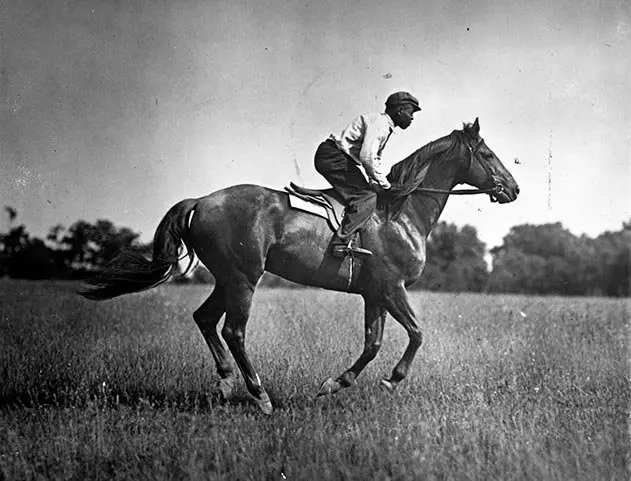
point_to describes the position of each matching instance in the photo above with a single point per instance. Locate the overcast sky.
(117, 109)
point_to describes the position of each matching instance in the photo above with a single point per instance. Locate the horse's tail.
(132, 272)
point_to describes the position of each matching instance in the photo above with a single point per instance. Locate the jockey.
(351, 162)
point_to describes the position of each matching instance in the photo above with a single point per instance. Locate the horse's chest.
(406, 250)
(413, 265)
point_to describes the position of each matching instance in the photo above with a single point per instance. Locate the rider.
(351, 162)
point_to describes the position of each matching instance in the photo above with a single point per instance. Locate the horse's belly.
(303, 256)
(312, 266)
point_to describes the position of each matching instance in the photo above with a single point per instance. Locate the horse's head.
(484, 170)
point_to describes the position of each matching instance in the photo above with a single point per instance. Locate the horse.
(242, 231)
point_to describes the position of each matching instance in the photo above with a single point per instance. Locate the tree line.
(66, 253)
(533, 259)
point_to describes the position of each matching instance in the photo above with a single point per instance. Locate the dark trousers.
(342, 173)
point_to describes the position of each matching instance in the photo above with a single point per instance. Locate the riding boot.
(343, 247)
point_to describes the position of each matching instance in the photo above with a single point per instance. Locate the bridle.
(493, 191)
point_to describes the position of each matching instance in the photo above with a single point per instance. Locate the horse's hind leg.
(238, 303)
(207, 316)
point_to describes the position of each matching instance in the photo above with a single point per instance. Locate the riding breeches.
(341, 171)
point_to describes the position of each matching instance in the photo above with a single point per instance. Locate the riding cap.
(402, 98)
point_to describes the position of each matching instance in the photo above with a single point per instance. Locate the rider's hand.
(378, 188)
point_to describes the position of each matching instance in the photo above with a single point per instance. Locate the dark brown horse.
(242, 231)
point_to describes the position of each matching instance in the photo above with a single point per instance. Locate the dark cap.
(402, 98)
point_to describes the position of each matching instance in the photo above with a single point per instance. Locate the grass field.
(504, 387)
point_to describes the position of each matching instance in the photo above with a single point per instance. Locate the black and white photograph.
(315, 240)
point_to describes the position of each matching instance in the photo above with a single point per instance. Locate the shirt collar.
(390, 122)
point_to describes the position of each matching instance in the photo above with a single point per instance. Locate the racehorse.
(241, 231)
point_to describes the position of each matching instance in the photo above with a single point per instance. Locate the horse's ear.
(476, 126)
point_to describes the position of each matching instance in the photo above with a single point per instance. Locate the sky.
(119, 109)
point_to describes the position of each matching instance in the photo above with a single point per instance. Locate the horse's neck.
(427, 207)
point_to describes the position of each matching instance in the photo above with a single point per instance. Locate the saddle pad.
(320, 210)
(297, 203)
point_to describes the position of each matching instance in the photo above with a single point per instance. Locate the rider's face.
(404, 116)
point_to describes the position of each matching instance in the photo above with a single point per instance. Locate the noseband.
(493, 191)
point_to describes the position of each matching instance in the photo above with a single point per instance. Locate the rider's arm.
(374, 138)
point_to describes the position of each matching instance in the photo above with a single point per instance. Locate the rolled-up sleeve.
(369, 156)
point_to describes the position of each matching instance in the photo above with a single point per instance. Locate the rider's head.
(400, 106)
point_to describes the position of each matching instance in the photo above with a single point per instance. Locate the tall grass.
(504, 387)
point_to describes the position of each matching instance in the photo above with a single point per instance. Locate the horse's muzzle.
(503, 195)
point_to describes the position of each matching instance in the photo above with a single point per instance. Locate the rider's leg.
(360, 199)
(355, 217)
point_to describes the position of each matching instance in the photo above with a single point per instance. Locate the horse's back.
(241, 203)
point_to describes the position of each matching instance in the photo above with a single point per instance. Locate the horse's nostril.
(517, 190)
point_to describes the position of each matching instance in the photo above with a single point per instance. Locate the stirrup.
(343, 250)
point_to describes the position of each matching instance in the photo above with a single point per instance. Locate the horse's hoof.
(264, 403)
(226, 386)
(388, 385)
(328, 387)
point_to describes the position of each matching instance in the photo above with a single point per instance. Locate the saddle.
(329, 204)
(326, 203)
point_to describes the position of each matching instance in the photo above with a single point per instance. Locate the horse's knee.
(233, 336)
(373, 349)
(416, 336)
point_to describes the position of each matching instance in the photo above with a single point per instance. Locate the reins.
(429, 190)
(496, 189)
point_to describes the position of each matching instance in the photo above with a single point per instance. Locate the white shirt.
(364, 139)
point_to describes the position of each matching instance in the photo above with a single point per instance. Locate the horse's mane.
(408, 174)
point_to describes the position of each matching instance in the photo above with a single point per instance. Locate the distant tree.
(516, 271)
(613, 261)
(534, 259)
(83, 247)
(90, 247)
(548, 259)
(454, 260)
(11, 242)
(12, 214)
(55, 236)
(15, 240)
(10, 245)
(76, 244)
(33, 261)
(617, 283)
(107, 241)
(54, 239)
(24, 257)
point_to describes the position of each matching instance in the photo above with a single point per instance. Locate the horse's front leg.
(374, 320)
(398, 305)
